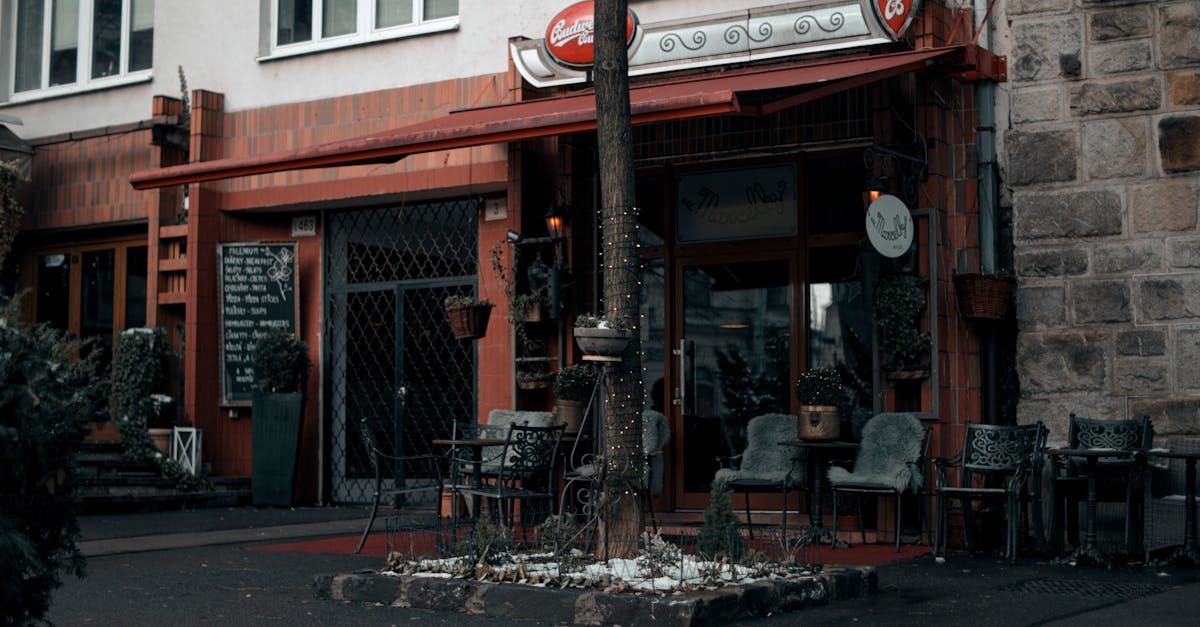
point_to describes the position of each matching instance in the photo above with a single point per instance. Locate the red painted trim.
(698, 97)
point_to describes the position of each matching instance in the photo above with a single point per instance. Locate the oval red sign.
(570, 36)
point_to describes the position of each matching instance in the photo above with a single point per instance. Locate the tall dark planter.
(276, 433)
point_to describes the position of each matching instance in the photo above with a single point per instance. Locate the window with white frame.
(61, 45)
(306, 25)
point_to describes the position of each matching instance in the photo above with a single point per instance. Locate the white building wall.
(218, 44)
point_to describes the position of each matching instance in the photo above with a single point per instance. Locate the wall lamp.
(905, 162)
(556, 224)
(874, 188)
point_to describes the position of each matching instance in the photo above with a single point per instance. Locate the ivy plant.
(899, 300)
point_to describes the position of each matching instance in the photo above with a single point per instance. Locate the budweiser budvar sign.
(571, 35)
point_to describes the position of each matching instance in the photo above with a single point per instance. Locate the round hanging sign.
(889, 226)
(571, 35)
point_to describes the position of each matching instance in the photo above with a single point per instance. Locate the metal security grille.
(393, 366)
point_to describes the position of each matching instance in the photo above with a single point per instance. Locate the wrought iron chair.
(526, 470)
(655, 434)
(1165, 505)
(499, 420)
(765, 465)
(461, 462)
(888, 462)
(1007, 457)
(412, 476)
(1120, 478)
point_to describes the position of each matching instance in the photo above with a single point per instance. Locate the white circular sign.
(889, 226)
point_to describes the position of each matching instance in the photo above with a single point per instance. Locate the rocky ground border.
(591, 607)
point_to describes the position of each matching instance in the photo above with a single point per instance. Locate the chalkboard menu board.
(259, 284)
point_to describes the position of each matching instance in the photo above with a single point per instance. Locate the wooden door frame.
(120, 247)
(793, 258)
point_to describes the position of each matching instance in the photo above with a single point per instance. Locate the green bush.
(280, 363)
(46, 396)
(574, 383)
(719, 537)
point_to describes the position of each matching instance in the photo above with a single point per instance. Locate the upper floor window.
(305, 25)
(67, 44)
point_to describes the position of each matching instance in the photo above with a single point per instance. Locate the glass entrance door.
(734, 360)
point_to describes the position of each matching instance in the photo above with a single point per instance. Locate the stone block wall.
(1101, 165)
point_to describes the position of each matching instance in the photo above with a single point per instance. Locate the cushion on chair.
(891, 444)
(764, 458)
(499, 420)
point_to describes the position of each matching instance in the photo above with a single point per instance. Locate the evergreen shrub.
(47, 394)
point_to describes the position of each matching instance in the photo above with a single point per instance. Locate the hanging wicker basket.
(983, 296)
(469, 322)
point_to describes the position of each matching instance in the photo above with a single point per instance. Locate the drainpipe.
(985, 93)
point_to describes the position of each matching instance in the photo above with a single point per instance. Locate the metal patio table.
(1089, 549)
(1189, 550)
(817, 450)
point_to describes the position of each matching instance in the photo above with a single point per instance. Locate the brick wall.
(81, 178)
(1103, 166)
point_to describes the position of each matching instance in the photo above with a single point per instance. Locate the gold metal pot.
(819, 422)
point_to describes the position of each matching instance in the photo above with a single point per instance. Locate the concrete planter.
(602, 342)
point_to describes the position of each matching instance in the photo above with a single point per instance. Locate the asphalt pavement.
(193, 568)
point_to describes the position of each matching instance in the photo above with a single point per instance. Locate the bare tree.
(621, 517)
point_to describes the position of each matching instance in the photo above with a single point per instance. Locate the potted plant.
(899, 301)
(139, 379)
(526, 308)
(280, 362)
(468, 316)
(522, 308)
(821, 395)
(534, 376)
(600, 336)
(573, 387)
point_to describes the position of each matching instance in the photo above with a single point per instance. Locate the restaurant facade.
(757, 132)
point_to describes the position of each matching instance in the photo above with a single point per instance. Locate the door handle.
(685, 394)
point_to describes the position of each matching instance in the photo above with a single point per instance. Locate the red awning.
(699, 96)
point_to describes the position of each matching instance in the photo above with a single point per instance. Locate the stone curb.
(590, 607)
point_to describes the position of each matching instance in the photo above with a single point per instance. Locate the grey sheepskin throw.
(764, 459)
(887, 455)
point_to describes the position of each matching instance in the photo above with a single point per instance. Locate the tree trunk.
(621, 516)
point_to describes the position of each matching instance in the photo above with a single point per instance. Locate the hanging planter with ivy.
(468, 316)
(899, 301)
